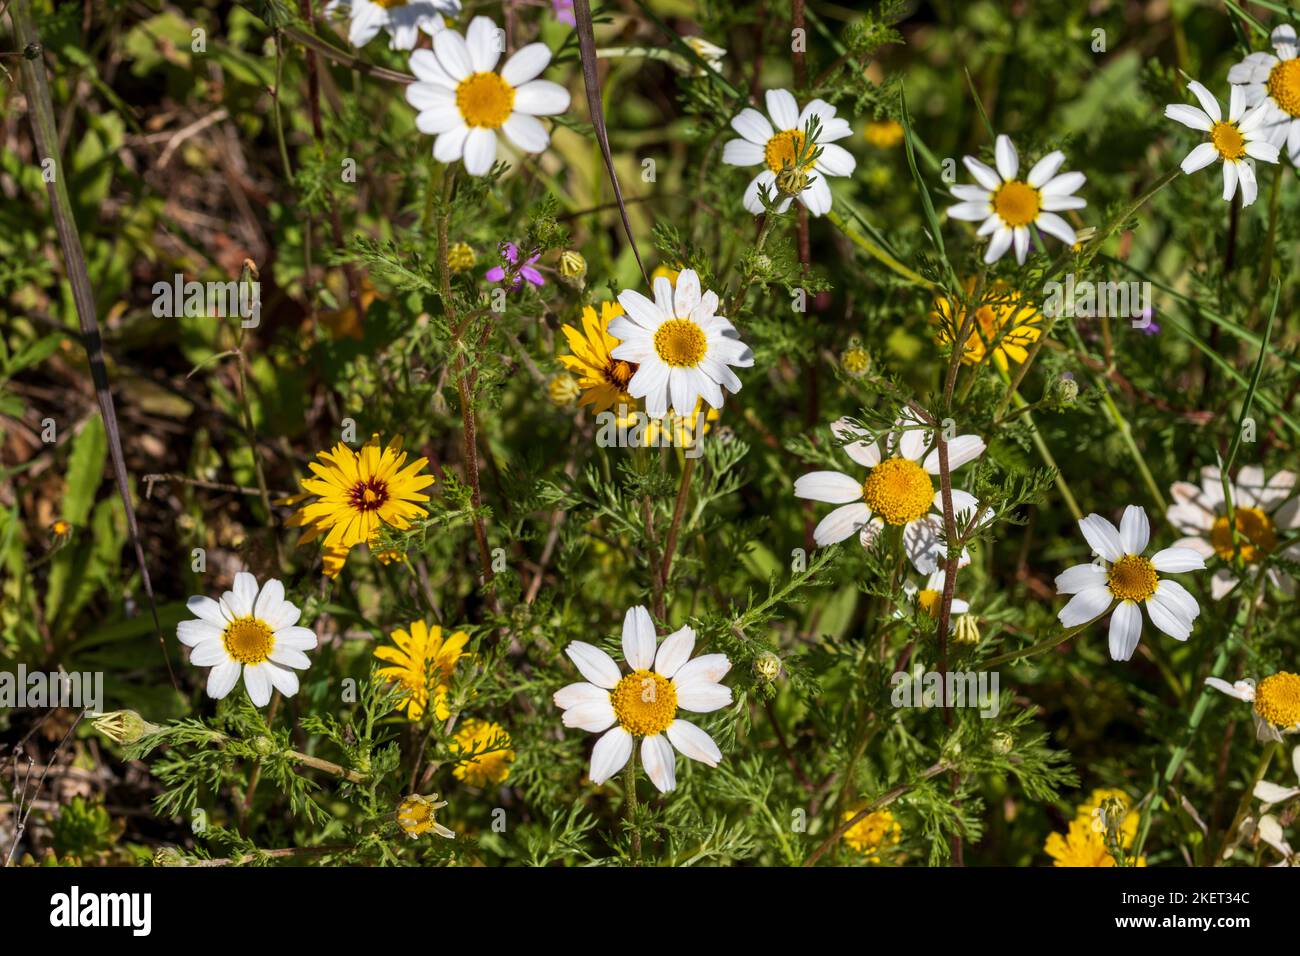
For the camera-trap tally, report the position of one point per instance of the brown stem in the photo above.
(879, 803)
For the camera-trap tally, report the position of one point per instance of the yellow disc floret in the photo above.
(1227, 139)
(645, 703)
(898, 490)
(1277, 700)
(1256, 535)
(782, 149)
(1017, 203)
(1132, 578)
(248, 640)
(484, 99)
(1284, 86)
(681, 343)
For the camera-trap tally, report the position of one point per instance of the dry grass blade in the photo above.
(40, 109)
(590, 80)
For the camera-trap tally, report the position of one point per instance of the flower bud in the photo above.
(122, 726)
(767, 666)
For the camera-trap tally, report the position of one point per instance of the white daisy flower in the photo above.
(403, 19)
(1275, 80)
(681, 346)
(1272, 833)
(1006, 206)
(710, 53)
(1263, 509)
(1131, 579)
(1276, 699)
(464, 101)
(929, 599)
(1240, 137)
(249, 631)
(775, 144)
(645, 702)
(899, 490)
(1270, 793)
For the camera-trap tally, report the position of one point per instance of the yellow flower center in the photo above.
(1227, 139)
(645, 703)
(1255, 535)
(898, 490)
(872, 833)
(681, 343)
(369, 495)
(1132, 578)
(1284, 85)
(1017, 203)
(1277, 700)
(929, 602)
(619, 373)
(782, 149)
(248, 640)
(485, 99)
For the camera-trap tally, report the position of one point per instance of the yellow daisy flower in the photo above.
(357, 492)
(666, 272)
(683, 428)
(873, 833)
(422, 660)
(603, 380)
(1084, 843)
(415, 815)
(1001, 322)
(487, 767)
(883, 134)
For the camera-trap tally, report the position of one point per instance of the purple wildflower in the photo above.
(564, 12)
(510, 268)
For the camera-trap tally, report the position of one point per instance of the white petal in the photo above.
(209, 654)
(832, 487)
(427, 68)
(998, 246)
(817, 196)
(836, 160)
(1125, 630)
(657, 756)
(686, 294)
(753, 126)
(579, 693)
(972, 211)
(1081, 577)
(675, 651)
(289, 657)
(282, 679)
(1229, 180)
(741, 152)
(638, 639)
(268, 600)
(194, 633)
(1134, 530)
(541, 98)
(1177, 560)
(693, 742)
(1064, 184)
(1178, 599)
(450, 146)
(527, 64)
(863, 452)
(1191, 117)
(961, 450)
(985, 176)
(1102, 537)
(841, 523)
(1207, 100)
(1045, 169)
(1084, 606)
(208, 610)
(1168, 616)
(1054, 225)
(702, 697)
(1242, 689)
(453, 54)
(594, 717)
(594, 664)
(783, 109)
(222, 679)
(610, 754)
(526, 132)
(258, 684)
(707, 668)
(480, 150)
(298, 638)
(1008, 162)
(242, 596)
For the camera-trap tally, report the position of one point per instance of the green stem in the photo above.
(629, 787)
(877, 253)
